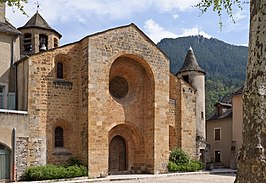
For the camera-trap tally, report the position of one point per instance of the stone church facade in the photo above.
(108, 99)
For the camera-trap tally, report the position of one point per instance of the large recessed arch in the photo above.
(129, 76)
(134, 108)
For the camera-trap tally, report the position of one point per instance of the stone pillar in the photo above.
(2, 12)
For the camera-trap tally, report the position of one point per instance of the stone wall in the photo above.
(54, 102)
(146, 112)
(19, 120)
(188, 119)
(2, 12)
(21, 156)
(182, 116)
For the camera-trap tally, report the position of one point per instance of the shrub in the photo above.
(48, 172)
(179, 161)
(178, 156)
(191, 166)
(74, 161)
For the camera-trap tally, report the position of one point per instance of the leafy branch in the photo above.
(220, 5)
(15, 3)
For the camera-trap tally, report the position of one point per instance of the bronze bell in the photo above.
(43, 47)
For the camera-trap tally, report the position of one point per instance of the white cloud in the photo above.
(240, 15)
(156, 32)
(170, 5)
(78, 10)
(240, 24)
(175, 16)
(193, 32)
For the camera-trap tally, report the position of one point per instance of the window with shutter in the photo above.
(2, 97)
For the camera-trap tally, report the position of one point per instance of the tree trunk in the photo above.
(252, 162)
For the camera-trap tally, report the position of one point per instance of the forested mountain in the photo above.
(224, 64)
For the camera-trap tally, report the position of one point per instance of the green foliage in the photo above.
(180, 161)
(48, 172)
(191, 166)
(219, 6)
(224, 64)
(74, 161)
(16, 3)
(178, 156)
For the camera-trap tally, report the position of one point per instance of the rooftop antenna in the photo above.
(37, 5)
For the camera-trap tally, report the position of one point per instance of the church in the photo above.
(108, 99)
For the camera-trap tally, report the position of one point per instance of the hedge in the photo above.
(47, 172)
(179, 161)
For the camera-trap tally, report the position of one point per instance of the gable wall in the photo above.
(103, 51)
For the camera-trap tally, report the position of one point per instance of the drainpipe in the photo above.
(13, 173)
(15, 69)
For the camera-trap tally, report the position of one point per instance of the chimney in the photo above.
(2, 12)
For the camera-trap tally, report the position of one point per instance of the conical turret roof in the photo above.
(191, 63)
(37, 21)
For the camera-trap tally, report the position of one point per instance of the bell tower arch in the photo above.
(37, 35)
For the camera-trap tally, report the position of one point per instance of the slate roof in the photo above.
(239, 91)
(7, 27)
(226, 105)
(226, 102)
(191, 63)
(226, 114)
(37, 21)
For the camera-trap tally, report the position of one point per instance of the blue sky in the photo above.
(159, 19)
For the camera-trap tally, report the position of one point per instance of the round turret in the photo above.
(195, 76)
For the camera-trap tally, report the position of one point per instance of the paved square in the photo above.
(203, 178)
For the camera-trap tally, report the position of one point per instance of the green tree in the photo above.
(252, 160)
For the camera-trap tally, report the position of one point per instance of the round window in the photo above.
(118, 87)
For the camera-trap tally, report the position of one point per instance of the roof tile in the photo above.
(191, 63)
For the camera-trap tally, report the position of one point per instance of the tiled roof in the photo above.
(239, 91)
(226, 114)
(226, 105)
(38, 21)
(191, 63)
(225, 102)
(6, 27)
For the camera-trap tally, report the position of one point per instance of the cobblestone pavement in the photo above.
(203, 178)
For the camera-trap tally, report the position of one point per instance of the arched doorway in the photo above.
(117, 155)
(4, 162)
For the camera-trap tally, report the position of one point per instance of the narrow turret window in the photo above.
(27, 42)
(59, 70)
(59, 137)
